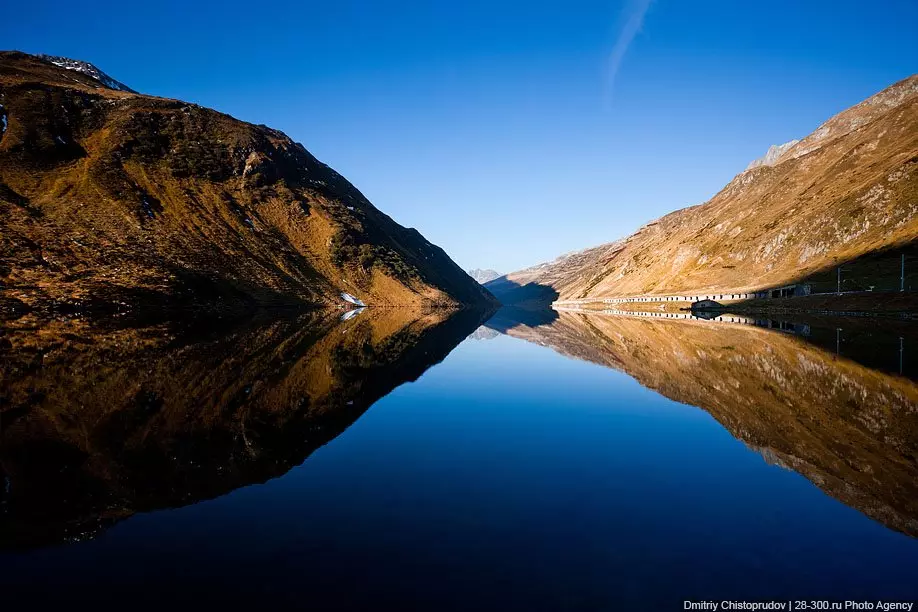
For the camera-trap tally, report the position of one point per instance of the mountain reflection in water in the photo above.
(821, 396)
(97, 425)
(514, 475)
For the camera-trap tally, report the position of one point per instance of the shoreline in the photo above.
(895, 305)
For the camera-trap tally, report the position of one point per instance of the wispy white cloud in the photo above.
(632, 20)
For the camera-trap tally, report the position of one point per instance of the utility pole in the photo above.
(902, 275)
(838, 289)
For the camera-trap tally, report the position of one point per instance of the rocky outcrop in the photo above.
(772, 156)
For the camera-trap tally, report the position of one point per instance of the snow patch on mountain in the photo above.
(87, 69)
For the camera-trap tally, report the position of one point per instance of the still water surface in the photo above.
(386, 462)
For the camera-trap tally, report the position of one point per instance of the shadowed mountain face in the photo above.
(850, 429)
(96, 424)
(531, 296)
(847, 191)
(112, 200)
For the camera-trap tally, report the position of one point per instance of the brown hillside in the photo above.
(847, 190)
(112, 199)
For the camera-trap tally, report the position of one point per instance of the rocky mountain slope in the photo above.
(847, 190)
(115, 200)
(483, 276)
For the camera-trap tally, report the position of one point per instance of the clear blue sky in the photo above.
(497, 128)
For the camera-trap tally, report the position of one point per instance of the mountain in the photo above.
(112, 200)
(483, 276)
(847, 194)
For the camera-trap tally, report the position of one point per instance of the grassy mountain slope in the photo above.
(847, 190)
(114, 199)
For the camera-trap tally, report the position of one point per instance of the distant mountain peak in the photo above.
(484, 276)
(88, 69)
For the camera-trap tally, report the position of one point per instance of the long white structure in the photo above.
(726, 296)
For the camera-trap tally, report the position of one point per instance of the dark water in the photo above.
(587, 462)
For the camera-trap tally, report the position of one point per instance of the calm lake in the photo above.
(533, 461)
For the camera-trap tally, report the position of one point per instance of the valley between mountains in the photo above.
(117, 201)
